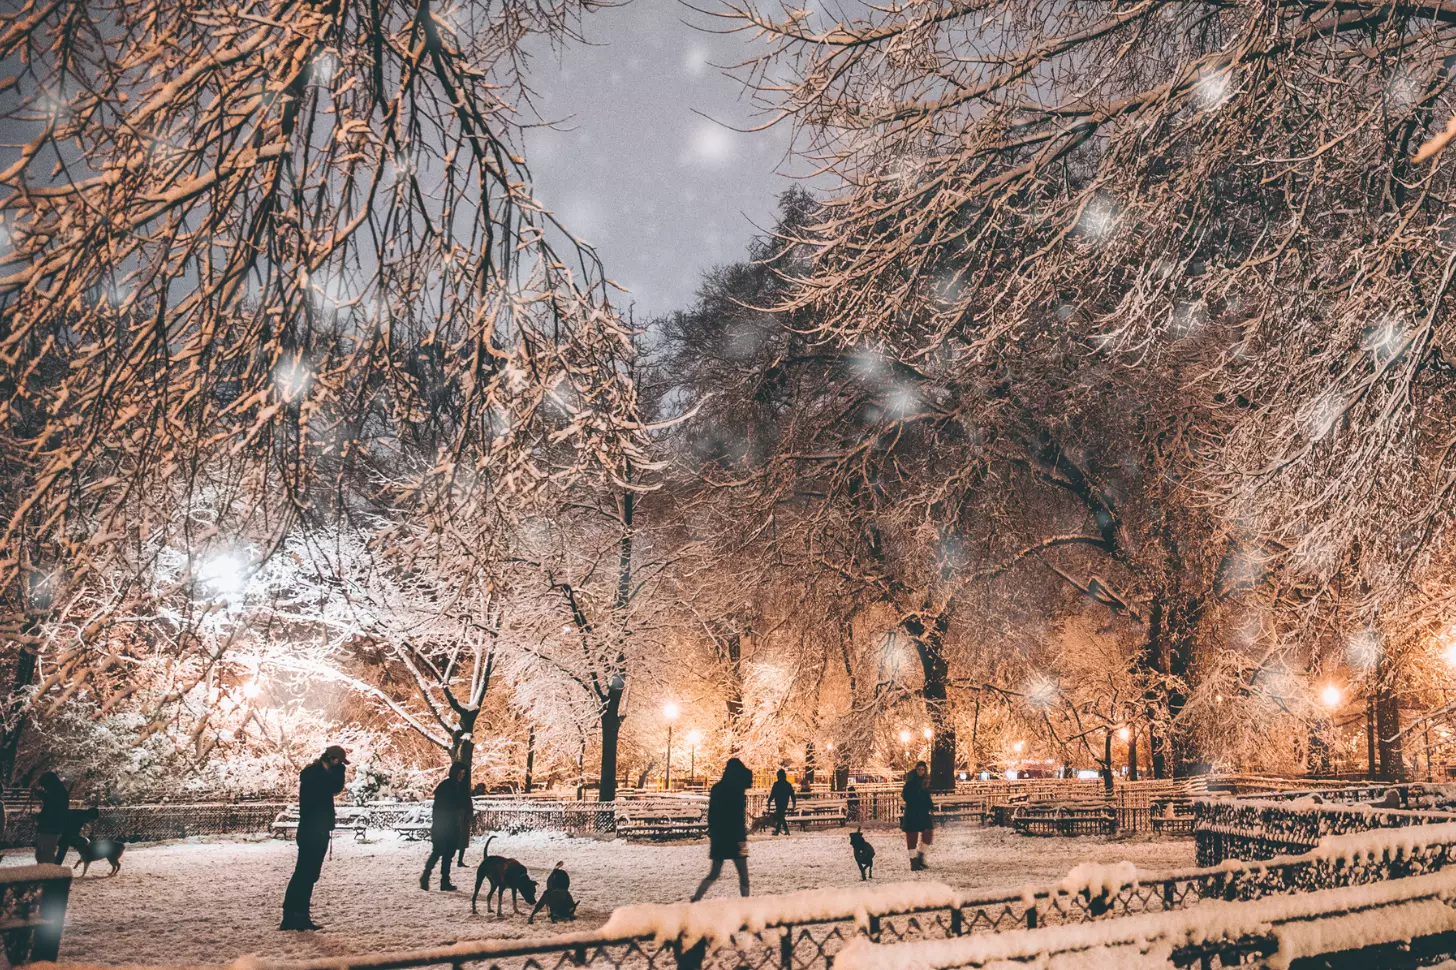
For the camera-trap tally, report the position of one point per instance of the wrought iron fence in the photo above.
(1262, 829)
(1358, 859)
(154, 823)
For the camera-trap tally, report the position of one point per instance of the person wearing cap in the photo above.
(317, 785)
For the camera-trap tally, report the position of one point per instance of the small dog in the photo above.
(503, 874)
(94, 850)
(864, 854)
(557, 897)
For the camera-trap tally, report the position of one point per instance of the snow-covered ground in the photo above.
(209, 901)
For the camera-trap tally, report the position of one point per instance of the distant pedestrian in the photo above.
(916, 820)
(727, 831)
(851, 804)
(317, 786)
(780, 797)
(445, 825)
(50, 822)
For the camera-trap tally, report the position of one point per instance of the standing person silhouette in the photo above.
(916, 820)
(445, 825)
(50, 822)
(727, 831)
(317, 786)
(780, 797)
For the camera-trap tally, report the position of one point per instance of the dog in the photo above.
(557, 897)
(503, 874)
(864, 854)
(94, 850)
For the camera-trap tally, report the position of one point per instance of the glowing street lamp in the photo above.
(670, 712)
(928, 734)
(252, 689)
(1332, 696)
(905, 738)
(1123, 733)
(1018, 747)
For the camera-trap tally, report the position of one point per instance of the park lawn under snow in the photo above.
(209, 901)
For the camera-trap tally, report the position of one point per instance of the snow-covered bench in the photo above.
(415, 824)
(1065, 820)
(285, 826)
(817, 812)
(958, 807)
(655, 822)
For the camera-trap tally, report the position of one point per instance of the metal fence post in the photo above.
(786, 947)
(1031, 917)
(955, 922)
(692, 957)
(874, 929)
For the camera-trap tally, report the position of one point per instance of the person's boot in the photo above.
(446, 886)
(425, 882)
(923, 864)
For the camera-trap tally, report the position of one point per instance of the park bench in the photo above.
(415, 824)
(828, 811)
(662, 824)
(954, 808)
(1090, 819)
(285, 826)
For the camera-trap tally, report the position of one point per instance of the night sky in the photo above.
(661, 191)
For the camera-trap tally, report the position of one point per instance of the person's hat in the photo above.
(337, 753)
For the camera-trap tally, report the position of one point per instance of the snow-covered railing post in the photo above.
(33, 902)
(690, 957)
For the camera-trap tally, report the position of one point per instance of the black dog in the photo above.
(557, 897)
(94, 850)
(503, 874)
(864, 854)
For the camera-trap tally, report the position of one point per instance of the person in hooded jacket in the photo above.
(50, 822)
(727, 828)
(452, 800)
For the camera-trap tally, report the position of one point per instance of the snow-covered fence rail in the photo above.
(1226, 828)
(1405, 923)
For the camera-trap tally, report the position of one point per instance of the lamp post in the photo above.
(693, 738)
(669, 711)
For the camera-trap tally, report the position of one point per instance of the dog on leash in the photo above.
(864, 854)
(503, 874)
(557, 897)
(95, 850)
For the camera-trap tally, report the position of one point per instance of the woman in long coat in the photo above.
(916, 821)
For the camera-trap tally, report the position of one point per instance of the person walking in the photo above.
(50, 821)
(317, 785)
(446, 837)
(915, 820)
(780, 797)
(727, 831)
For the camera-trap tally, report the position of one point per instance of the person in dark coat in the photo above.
(317, 785)
(467, 816)
(915, 821)
(727, 829)
(452, 798)
(780, 797)
(50, 822)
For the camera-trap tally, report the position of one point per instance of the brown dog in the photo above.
(503, 874)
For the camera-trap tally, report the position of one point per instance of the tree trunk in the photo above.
(611, 722)
(930, 647)
(1107, 761)
(25, 667)
(462, 740)
(530, 756)
(807, 781)
(1165, 659)
(1132, 754)
(1387, 726)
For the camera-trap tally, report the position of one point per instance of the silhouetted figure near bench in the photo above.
(727, 830)
(317, 786)
(50, 822)
(781, 798)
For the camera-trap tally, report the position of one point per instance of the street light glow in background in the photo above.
(670, 711)
(1332, 696)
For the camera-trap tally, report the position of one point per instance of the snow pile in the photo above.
(717, 920)
(1096, 880)
(1383, 920)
